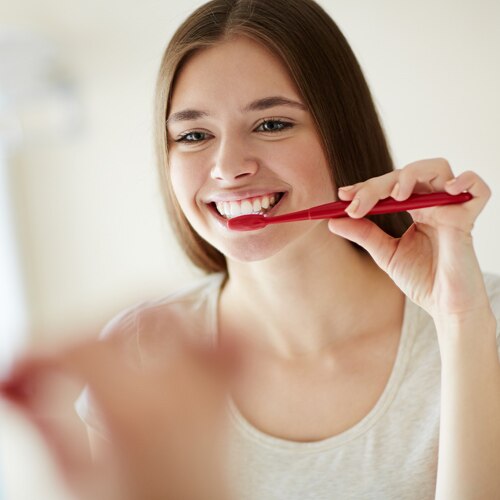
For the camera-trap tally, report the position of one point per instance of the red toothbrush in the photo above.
(337, 209)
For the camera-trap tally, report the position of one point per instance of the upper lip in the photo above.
(240, 194)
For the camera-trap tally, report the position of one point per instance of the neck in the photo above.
(311, 295)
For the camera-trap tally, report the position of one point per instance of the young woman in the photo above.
(371, 367)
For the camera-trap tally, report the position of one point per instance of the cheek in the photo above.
(185, 184)
(311, 163)
(177, 182)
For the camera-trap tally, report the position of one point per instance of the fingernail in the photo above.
(346, 188)
(395, 190)
(353, 206)
(450, 182)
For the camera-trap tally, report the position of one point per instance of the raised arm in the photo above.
(434, 264)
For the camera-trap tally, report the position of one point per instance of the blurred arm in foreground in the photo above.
(165, 425)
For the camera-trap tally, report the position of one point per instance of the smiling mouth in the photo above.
(258, 205)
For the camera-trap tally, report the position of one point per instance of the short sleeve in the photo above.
(149, 332)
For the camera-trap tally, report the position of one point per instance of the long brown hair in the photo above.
(327, 75)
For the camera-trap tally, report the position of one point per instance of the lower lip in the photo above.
(223, 221)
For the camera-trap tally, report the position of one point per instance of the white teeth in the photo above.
(230, 209)
(246, 207)
(235, 209)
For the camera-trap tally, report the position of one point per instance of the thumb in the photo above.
(368, 235)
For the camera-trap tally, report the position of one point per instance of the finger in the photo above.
(422, 176)
(471, 182)
(347, 193)
(419, 177)
(384, 182)
(25, 375)
(27, 381)
(364, 195)
(45, 398)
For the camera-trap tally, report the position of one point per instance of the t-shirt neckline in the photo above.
(244, 427)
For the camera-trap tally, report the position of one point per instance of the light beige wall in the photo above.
(89, 211)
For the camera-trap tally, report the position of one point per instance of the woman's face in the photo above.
(241, 140)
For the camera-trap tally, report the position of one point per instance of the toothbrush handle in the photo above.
(390, 205)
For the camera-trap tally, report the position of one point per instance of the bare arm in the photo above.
(165, 430)
(469, 443)
(434, 263)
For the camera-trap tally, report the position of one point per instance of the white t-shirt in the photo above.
(390, 454)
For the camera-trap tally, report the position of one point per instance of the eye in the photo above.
(274, 125)
(192, 137)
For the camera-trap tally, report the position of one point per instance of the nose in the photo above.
(233, 162)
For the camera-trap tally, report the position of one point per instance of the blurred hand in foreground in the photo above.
(165, 424)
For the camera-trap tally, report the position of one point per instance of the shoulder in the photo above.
(150, 326)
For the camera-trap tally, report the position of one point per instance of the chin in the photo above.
(250, 253)
(248, 249)
(262, 244)
(266, 243)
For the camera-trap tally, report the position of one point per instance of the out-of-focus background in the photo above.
(82, 228)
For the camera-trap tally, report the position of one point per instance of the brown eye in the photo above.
(274, 126)
(192, 137)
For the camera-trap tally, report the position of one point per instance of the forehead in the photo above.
(232, 72)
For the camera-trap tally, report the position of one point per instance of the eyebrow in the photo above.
(271, 102)
(257, 105)
(186, 115)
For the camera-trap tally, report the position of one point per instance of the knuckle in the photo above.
(370, 184)
(403, 172)
(470, 174)
(443, 161)
(369, 191)
(445, 166)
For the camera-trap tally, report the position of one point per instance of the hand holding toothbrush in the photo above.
(434, 262)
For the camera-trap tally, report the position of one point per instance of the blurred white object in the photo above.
(12, 304)
(38, 101)
(38, 107)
